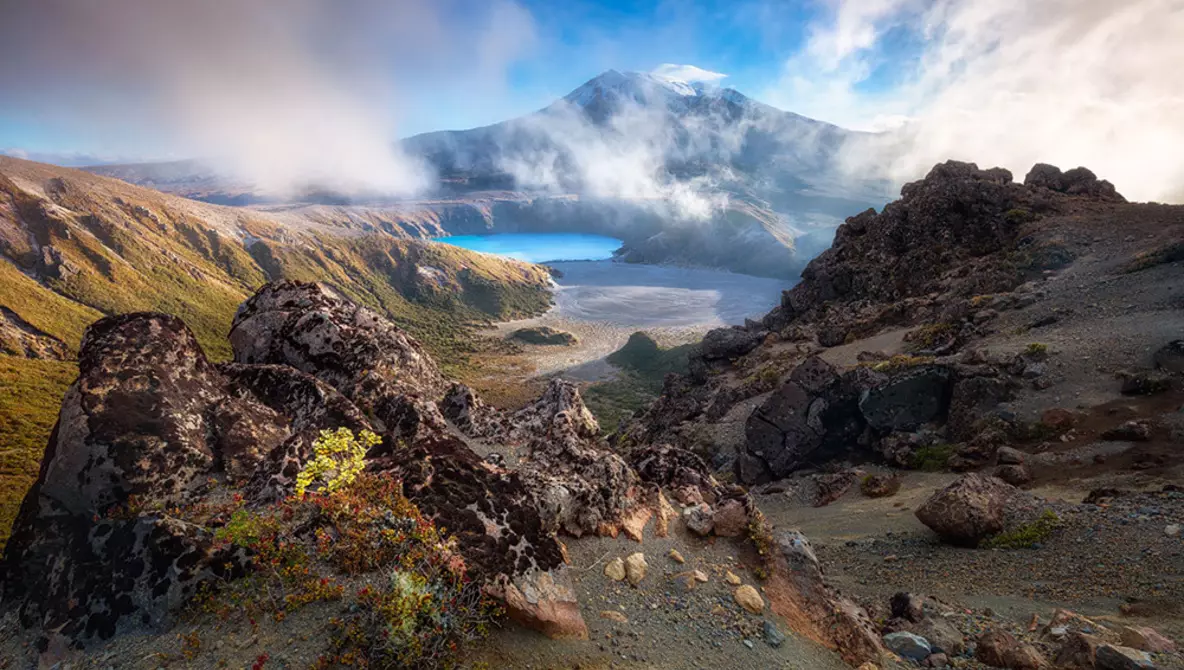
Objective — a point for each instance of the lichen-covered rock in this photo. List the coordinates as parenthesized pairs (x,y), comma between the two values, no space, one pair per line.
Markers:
(135,426)
(968,510)
(151,424)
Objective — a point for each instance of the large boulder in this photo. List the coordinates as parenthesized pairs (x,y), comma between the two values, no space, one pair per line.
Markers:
(785,428)
(726,343)
(968,510)
(908,400)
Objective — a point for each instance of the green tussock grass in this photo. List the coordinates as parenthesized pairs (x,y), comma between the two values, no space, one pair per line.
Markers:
(899,362)
(30,394)
(1026,536)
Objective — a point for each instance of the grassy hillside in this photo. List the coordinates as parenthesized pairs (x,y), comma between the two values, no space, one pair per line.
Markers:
(75,247)
(644,365)
(30,392)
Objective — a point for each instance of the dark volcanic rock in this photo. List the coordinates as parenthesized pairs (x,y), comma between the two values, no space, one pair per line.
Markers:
(814,414)
(1170,357)
(723,343)
(955,214)
(780,431)
(908,400)
(1078,181)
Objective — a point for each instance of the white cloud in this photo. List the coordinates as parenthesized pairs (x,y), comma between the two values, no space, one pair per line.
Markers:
(688,73)
(284,94)
(1004,82)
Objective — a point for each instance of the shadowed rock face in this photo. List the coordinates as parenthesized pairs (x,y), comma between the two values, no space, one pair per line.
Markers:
(151,423)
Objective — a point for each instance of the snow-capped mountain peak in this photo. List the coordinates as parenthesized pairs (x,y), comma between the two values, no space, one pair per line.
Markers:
(670,84)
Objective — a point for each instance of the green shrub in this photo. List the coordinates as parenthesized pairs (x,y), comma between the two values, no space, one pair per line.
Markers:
(338,457)
(1026,536)
(1036,349)
(932,458)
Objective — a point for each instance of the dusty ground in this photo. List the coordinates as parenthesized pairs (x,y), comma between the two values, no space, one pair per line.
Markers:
(668,626)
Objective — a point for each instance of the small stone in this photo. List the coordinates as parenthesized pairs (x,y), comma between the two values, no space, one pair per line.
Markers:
(730,519)
(635,567)
(615,570)
(698,519)
(908,645)
(731,578)
(1172,530)
(613,615)
(1130,431)
(773,637)
(1113,657)
(1014,474)
(676,556)
(937,661)
(1058,418)
(747,597)
(1009,456)
(699,576)
(748,643)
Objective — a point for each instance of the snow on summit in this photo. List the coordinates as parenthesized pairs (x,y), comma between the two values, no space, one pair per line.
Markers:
(685,73)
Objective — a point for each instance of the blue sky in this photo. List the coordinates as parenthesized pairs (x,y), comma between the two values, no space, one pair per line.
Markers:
(568,43)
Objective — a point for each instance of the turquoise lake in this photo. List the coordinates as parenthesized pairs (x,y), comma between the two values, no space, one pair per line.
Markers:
(539,247)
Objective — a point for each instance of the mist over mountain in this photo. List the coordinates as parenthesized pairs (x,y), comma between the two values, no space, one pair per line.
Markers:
(682,171)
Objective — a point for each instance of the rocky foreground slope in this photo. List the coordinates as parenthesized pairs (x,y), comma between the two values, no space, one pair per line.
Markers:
(999,338)
(160,455)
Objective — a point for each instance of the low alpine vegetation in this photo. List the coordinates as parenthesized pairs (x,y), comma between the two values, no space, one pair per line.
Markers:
(348,537)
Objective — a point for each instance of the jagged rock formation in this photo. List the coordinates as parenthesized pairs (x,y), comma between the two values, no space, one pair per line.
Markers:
(151,423)
(958,248)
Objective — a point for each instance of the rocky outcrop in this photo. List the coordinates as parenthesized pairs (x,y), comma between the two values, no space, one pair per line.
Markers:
(152,425)
(1078,181)
(956,216)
